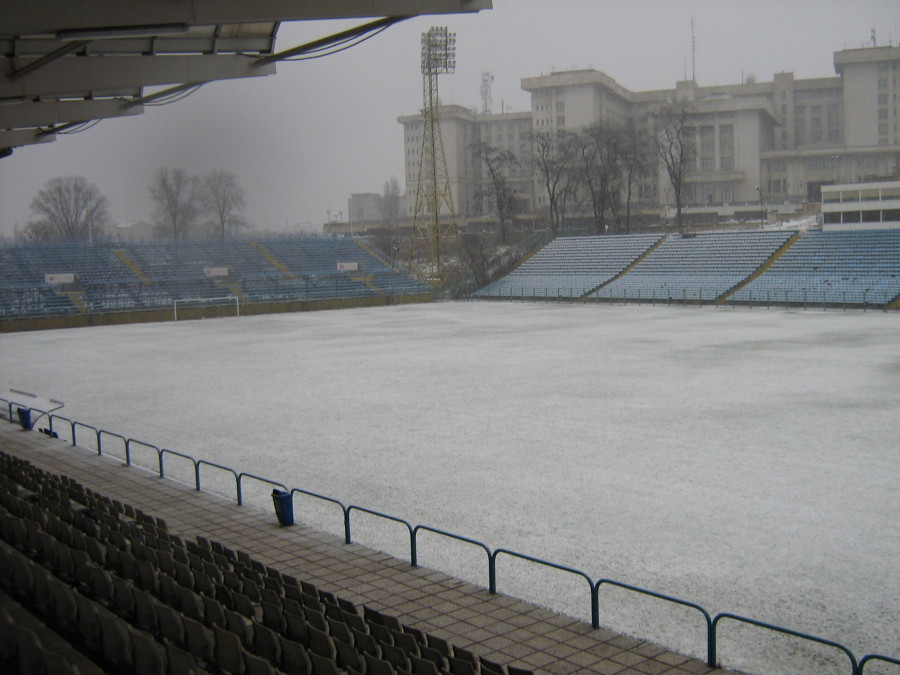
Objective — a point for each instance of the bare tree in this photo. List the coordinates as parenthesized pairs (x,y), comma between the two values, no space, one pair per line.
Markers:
(390,201)
(639,159)
(676,146)
(598,169)
(222,198)
(176,202)
(554,157)
(68,209)
(499,193)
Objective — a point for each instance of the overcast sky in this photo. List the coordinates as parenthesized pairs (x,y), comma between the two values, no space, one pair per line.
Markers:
(301,141)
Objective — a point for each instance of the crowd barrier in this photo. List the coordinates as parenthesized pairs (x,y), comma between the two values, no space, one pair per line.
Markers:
(857,666)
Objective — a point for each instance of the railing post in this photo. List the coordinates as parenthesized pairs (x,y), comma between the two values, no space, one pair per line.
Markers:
(492,573)
(347,539)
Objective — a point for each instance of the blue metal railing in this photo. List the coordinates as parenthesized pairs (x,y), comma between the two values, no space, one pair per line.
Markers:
(712,622)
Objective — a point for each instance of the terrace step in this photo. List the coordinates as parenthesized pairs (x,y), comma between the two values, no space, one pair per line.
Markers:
(133,266)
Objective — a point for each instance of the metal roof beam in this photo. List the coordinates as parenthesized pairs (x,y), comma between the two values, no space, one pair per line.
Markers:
(331,39)
(76,75)
(48,58)
(18,138)
(28,47)
(40,17)
(46,113)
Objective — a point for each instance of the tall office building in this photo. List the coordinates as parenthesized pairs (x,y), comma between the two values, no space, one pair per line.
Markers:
(769,145)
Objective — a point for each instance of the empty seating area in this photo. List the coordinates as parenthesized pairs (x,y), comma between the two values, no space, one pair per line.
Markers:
(93,585)
(122,277)
(570,267)
(858,267)
(696,267)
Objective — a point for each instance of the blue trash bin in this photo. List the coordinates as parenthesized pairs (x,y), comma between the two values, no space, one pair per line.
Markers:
(24,418)
(284,506)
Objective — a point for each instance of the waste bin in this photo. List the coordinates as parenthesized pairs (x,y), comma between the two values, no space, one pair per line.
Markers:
(24,418)
(284,506)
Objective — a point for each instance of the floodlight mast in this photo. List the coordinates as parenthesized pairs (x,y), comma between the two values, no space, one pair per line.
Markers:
(433,192)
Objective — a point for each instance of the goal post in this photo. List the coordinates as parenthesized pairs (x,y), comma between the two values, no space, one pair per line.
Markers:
(209,302)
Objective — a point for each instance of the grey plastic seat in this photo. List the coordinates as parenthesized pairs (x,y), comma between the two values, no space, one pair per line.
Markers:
(199,641)
(213,612)
(229,654)
(144,611)
(115,640)
(123,597)
(169,623)
(365,643)
(461,667)
(88,623)
(29,650)
(179,661)
(240,626)
(256,665)
(376,666)
(396,656)
(294,657)
(321,643)
(149,656)
(65,607)
(323,665)
(296,629)
(190,604)
(273,616)
(348,657)
(266,643)
(422,666)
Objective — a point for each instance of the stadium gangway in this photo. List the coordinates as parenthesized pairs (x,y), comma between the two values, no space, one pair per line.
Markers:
(857,666)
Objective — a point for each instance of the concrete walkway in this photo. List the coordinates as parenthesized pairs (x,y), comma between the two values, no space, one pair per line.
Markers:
(500,628)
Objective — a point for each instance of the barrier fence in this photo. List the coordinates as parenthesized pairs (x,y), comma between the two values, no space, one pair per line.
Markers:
(857,666)
(804,298)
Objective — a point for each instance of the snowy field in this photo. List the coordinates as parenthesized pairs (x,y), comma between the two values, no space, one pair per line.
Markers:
(745,460)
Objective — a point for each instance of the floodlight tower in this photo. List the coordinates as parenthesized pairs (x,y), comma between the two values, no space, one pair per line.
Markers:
(433,186)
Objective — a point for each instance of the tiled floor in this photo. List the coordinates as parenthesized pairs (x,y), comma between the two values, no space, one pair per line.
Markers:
(500,628)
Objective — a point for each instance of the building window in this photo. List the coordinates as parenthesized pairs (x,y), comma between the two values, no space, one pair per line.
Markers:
(727,163)
(726,139)
(727,192)
(707,140)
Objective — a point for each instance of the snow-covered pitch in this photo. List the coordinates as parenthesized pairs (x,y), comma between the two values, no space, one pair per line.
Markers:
(745,460)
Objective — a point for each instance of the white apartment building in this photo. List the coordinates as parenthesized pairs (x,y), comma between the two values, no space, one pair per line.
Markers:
(761,145)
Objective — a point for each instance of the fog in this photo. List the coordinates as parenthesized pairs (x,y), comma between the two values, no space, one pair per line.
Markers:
(301,141)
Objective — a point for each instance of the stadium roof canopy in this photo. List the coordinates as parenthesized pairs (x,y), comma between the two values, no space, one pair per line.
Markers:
(67,63)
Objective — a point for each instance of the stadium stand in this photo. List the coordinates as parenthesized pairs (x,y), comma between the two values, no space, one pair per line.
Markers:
(123,277)
(696,267)
(570,267)
(104,587)
(856,267)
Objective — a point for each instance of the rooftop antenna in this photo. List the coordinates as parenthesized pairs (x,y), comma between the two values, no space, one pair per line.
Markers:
(874,41)
(693,52)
